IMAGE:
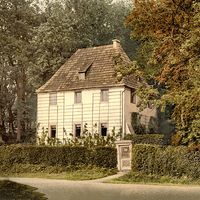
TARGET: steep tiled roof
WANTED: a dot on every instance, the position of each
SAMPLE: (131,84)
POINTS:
(96,62)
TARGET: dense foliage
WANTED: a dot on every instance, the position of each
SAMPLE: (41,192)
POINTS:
(64,157)
(171,30)
(157,139)
(18,20)
(36,40)
(166,161)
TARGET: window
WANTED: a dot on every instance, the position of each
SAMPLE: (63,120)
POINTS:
(53,99)
(78,97)
(84,68)
(133,96)
(104,129)
(104,95)
(150,105)
(53,132)
(81,76)
(77,130)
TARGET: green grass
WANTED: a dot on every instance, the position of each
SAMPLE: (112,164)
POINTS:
(12,191)
(137,177)
(79,174)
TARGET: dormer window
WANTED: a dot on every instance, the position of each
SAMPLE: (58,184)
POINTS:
(81,75)
(83,70)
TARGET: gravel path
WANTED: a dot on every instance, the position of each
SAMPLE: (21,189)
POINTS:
(96,190)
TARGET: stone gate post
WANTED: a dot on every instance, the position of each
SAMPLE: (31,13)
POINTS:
(124,155)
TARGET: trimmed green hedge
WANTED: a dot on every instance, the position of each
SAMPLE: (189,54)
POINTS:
(63,156)
(146,138)
(105,157)
(166,161)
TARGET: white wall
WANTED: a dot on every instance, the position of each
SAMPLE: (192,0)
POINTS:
(116,112)
(91,111)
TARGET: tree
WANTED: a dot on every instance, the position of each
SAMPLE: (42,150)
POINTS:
(35,41)
(175,27)
(17,21)
(69,25)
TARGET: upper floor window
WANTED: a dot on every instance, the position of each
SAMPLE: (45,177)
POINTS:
(53,98)
(78,97)
(104,129)
(104,95)
(133,96)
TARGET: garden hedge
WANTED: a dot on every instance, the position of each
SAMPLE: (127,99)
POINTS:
(146,138)
(166,161)
(105,157)
(62,156)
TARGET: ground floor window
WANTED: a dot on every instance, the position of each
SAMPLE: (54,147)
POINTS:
(78,130)
(104,129)
(53,131)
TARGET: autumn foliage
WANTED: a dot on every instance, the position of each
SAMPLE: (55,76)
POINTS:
(175,26)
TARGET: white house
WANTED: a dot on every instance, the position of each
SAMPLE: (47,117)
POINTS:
(86,90)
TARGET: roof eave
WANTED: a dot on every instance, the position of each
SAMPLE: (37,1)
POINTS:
(81,88)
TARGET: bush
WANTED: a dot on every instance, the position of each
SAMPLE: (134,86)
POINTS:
(166,161)
(146,138)
(63,156)
(105,157)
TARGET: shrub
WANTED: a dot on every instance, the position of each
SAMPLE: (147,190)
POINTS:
(146,138)
(87,139)
(63,156)
(105,157)
(166,161)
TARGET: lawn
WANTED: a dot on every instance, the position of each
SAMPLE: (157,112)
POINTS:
(136,177)
(12,191)
(79,174)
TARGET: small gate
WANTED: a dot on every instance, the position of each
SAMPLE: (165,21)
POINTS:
(124,155)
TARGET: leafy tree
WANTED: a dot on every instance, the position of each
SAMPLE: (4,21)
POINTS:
(35,41)
(69,25)
(17,22)
(174,25)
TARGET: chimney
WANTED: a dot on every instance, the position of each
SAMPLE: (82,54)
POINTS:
(116,43)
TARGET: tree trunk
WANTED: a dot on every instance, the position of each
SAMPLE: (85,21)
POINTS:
(2,126)
(11,121)
(20,82)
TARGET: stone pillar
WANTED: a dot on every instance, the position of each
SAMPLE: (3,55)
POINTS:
(124,155)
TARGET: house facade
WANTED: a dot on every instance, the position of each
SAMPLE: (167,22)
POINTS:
(85,91)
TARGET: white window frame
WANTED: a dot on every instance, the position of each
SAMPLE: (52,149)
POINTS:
(101,129)
(75,97)
(53,99)
(75,124)
(103,97)
(50,129)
